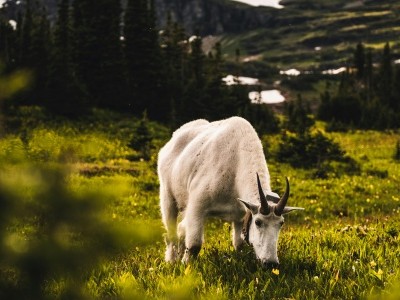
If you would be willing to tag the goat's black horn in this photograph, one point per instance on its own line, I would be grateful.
(264, 209)
(283, 201)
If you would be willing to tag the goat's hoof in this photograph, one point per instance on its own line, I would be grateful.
(190, 253)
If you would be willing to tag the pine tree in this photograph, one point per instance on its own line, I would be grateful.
(25, 36)
(397, 151)
(195, 100)
(385, 76)
(174, 57)
(7, 44)
(359, 61)
(324, 109)
(33, 50)
(218, 102)
(142, 138)
(396, 91)
(97, 51)
(369, 75)
(298, 119)
(40, 51)
(143, 59)
(346, 84)
(64, 93)
(197, 61)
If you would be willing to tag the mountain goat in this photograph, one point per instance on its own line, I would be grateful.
(218, 169)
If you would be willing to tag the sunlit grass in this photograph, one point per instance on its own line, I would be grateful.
(379, 45)
(354, 27)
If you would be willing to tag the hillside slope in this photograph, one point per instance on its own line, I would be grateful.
(318, 35)
(205, 16)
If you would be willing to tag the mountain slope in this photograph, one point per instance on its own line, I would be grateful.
(322, 34)
(205, 16)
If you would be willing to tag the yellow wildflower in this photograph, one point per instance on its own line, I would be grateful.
(275, 271)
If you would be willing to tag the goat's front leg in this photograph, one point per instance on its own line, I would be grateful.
(236, 235)
(194, 226)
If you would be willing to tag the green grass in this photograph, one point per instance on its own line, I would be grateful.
(345, 245)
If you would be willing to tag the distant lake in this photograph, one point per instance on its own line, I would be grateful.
(271, 3)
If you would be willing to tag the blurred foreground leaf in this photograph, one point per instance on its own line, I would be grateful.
(49, 233)
(13, 83)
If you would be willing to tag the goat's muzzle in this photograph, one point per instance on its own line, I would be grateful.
(270, 265)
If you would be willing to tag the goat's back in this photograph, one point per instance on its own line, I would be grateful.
(211, 160)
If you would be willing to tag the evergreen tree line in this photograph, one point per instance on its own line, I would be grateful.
(99, 55)
(368, 96)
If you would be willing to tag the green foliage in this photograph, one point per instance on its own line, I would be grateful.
(397, 151)
(309, 151)
(83, 62)
(13, 83)
(7, 42)
(64, 94)
(12, 149)
(142, 138)
(49, 145)
(298, 116)
(53, 233)
(262, 117)
(56, 226)
(33, 40)
(302, 147)
(368, 99)
(344, 109)
(97, 52)
(359, 60)
(144, 62)
(336, 126)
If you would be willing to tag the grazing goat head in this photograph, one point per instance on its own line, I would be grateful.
(263, 223)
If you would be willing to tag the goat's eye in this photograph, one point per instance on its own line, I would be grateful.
(258, 223)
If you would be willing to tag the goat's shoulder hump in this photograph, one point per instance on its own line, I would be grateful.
(237, 121)
(193, 125)
(182, 137)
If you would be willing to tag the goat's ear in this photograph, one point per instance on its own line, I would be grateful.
(252, 207)
(288, 209)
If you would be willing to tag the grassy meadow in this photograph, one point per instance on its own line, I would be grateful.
(80, 219)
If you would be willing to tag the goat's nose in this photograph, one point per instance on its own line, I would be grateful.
(270, 264)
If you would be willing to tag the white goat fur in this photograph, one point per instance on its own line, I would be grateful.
(203, 170)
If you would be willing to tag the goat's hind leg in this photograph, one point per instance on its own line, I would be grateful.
(169, 213)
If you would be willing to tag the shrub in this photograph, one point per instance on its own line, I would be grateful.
(298, 118)
(12, 150)
(337, 126)
(397, 151)
(51, 145)
(311, 150)
(142, 138)
(377, 173)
